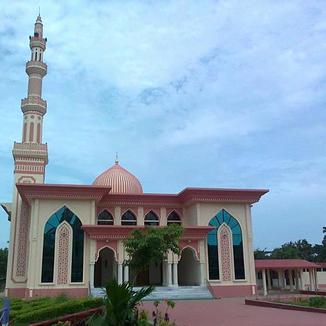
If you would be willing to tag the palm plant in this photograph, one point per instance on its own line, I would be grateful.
(121, 305)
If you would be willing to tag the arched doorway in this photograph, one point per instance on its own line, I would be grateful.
(188, 268)
(150, 276)
(105, 268)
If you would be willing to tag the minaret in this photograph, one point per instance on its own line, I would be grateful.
(31, 155)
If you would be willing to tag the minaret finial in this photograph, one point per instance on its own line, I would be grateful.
(116, 158)
(39, 10)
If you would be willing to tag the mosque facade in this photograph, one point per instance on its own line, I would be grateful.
(68, 239)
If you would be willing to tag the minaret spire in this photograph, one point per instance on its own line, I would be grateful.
(31, 154)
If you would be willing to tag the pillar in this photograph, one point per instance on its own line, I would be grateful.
(311, 281)
(119, 273)
(126, 273)
(168, 274)
(316, 280)
(264, 282)
(280, 281)
(297, 285)
(301, 279)
(291, 279)
(202, 274)
(175, 274)
(269, 280)
(91, 275)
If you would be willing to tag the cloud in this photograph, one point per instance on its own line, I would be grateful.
(209, 93)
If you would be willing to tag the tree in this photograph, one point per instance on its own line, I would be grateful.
(261, 254)
(151, 245)
(324, 239)
(3, 263)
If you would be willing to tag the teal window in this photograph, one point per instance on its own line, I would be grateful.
(173, 218)
(105, 218)
(63, 214)
(128, 218)
(151, 219)
(224, 217)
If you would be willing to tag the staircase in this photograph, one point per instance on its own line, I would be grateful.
(174, 293)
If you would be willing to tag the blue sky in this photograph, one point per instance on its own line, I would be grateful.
(190, 93)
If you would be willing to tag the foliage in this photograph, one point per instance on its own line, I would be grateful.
(24, 312)
(300, 249)
(121, 305)
(3, 264)
(163, 319)
(261, 254)
(318, 302)
(152, 245)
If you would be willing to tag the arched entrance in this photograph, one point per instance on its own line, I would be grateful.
(188, 268)
(105, 268)
(150, 276)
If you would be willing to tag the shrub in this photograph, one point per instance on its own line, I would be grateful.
(56, 310)
(317, 302)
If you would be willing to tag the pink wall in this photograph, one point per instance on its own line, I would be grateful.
(225, 291)
(70, 292)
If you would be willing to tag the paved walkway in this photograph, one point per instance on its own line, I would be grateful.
(233, 312)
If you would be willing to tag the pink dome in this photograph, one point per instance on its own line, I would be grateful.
(120, 180)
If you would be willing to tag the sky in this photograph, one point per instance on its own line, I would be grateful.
(225, 94)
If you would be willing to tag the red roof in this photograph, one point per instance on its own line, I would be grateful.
(283, 263)
(322, 265)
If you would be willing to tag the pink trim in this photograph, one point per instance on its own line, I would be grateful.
(17, 292)
(284, 263)
(99, 210)
(26, 177)
(225, 291)
(31, 131)
(116, 232)
(70, 292)
(177, 210)
(134, 210)
(42, 191)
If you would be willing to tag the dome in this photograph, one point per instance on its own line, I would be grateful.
(120, 180)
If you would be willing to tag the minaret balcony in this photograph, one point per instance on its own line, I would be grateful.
(33, 103)
(37, 42)
(31, 150)
(36, 67)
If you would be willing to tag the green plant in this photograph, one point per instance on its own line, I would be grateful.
(317, 302)
(121, 305)
(161, 319)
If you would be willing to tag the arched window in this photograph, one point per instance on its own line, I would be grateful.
(105, 218)
(174, 218)
(224, 217)
(128, 218)
(151, 219)
(63, 214)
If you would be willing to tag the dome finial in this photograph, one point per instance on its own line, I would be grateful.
(116, 158)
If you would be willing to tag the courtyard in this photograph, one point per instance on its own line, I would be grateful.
(233, 312)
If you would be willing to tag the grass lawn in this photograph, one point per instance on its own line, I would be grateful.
(315, 302)
(24, 312)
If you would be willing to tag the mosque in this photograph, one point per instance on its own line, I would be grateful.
(68, 239)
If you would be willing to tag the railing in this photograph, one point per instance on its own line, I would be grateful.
(33, 100)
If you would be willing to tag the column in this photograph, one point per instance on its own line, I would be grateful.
(279, 277)
(310, 280)
(316, 280)
(175, 274)
(301, 279)
(168, 274)
(264, 282)
(91, 275)
(126, 273)
(291, 279)
(297, 285)
(119, 273)
(203, 274)
(269, 280)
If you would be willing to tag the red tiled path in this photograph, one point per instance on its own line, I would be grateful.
(233, 312)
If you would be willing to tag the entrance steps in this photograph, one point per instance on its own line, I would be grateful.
(164, 292)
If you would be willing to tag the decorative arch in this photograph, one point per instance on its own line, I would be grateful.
(105, 218)
(194, 251)
(128, 218)
(151, 219)
(101, 247)
(234, 237)
(173, 218)
(64, 214)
